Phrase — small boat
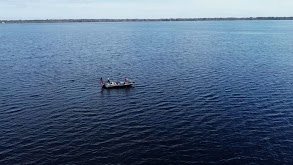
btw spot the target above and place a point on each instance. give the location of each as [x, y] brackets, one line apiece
[124, 84]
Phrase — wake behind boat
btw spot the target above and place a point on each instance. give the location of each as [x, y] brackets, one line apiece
[112, 84]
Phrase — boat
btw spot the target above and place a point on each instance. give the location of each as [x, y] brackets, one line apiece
[109, 84]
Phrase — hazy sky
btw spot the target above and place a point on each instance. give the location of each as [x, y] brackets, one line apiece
[58, 9]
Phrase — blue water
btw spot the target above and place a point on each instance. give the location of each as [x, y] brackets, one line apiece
[206, 92]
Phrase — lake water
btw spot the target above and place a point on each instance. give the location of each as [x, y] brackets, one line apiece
[206, 92]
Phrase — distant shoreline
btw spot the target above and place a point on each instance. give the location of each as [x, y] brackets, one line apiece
[141, 20]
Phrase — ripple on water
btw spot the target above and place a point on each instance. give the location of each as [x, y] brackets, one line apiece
[206, 92]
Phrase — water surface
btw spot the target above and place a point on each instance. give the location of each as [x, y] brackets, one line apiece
[206, 92]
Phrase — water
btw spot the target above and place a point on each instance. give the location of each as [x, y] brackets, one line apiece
[206, 92]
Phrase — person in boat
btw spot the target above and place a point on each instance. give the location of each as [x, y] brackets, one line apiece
[108, 81]
[102, 81]
[126, 80]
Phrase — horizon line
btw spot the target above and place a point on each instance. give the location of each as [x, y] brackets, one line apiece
[140, 19]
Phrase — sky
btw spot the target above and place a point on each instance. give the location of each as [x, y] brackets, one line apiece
[120, 9]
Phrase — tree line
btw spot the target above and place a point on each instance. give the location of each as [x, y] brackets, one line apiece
[143, 20]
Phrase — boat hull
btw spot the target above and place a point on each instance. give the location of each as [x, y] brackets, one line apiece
[117, 85]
